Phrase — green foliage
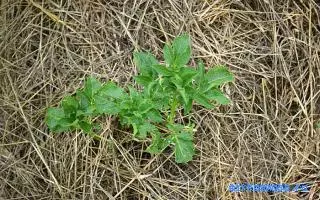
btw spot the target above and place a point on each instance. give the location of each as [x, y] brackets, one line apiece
[77, 111]
[182, 137]
[150, 111]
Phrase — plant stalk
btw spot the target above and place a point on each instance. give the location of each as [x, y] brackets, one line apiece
[173, 109]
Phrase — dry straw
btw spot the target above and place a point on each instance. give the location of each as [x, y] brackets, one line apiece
[267, 135]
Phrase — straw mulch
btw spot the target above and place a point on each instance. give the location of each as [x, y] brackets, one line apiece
[267, 134]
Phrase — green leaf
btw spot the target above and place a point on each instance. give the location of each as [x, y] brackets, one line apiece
[202, 100]
[163, 70]
[184, 95]
[168, 54]
[106, 106]
[182, 50]
[57, 121]
[137, 114]
[154, 116]
[85, 126]
[110, 89]
[53, 116]
[152, 88]
[143, 80]
[69, 105]
[200, 78]
[187, 107]
[218, 75]
[187, 74]
[218, 96]
[201, 70]
[84, 101]
[144, 61]
[175, 128]
[160, 98]
[177, 81]
[158, 143]
[91, 87]
[60, 129]
[144, 105]
[133, 92]
[178, 54]
[184, 148]
[143, 129]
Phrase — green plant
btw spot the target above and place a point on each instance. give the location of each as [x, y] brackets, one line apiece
[150, 111]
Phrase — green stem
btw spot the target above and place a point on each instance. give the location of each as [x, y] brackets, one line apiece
[96, 136]
[173, 109]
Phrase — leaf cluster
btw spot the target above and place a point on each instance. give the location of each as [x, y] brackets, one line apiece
[150, 111]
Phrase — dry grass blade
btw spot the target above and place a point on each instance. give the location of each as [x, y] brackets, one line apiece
[267, 134]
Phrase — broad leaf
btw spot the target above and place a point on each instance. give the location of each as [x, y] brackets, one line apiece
[168, 54]
[187, 107]
[200, 78]
[85, 126]
[57, 121]
[182, 50]
[218, 96]
[184, 148]
[178, 54]
[202, 100]
[69, 105]
[160, 98]
[84, 101]
[110, 89]
[143, 80]
[218, 75]
[143, 130]
[163, 70]
[144, 61]
[133, 92]
[91, 87]
[184, 95]
[201, 71]
[54, 115]
[106, 106]
[177, 81]
[187, 75]
[175, 128]
[154, 116]
[137, 114]
[158, 143]
[144, 105]
[152, 88]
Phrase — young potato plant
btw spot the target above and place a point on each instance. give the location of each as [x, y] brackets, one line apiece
[150, 111]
